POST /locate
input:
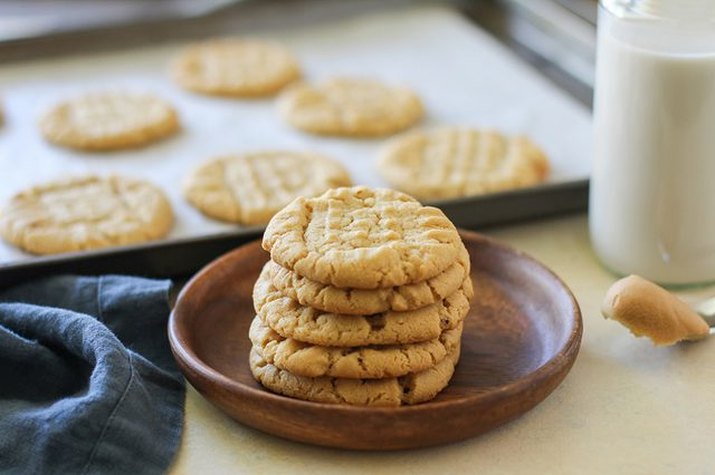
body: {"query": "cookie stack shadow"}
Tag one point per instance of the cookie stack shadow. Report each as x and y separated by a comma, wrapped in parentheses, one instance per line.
(372, 342)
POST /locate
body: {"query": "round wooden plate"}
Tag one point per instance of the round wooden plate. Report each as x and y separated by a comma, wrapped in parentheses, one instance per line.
(520, 339)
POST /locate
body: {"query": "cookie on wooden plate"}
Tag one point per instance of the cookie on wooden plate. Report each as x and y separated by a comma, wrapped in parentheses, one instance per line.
(412, 388)
(83, 213)
(109, 121)
(292, 320)
(454, 162)
(362, 238)
(363, 362)
(365, 302)
(235, 67)
(250, 188)
(350, 107)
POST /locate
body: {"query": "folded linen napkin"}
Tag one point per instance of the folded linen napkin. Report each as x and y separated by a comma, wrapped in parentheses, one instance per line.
(87, 380)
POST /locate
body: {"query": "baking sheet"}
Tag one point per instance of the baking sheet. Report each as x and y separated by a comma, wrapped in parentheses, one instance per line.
(463, 75)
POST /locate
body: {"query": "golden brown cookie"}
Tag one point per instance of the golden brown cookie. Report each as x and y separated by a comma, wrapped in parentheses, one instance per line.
(350, 107)
(365, 302)
(454, 162)
(367, 362)
(85, 213)
(362, 238)
(292, 320)
(235, 67)
(250, 188)
(412, 388)
(109, 121)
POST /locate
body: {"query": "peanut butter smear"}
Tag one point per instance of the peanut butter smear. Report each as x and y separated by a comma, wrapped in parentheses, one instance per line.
(647, 309)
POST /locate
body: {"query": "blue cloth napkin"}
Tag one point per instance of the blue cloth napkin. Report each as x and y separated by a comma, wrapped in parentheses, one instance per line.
(87, 380)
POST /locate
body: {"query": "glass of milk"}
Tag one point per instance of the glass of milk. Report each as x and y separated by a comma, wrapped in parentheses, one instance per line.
(652, 201)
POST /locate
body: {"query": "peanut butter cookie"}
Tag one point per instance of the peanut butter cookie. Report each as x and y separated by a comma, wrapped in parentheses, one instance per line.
(454, 162)
(365, 302)
(291, 320)
(350, 107)
(412, 388)
(235, 67)
(366, 362)
(362, 238)
(85, 213)
(109, 121)
(250, 188)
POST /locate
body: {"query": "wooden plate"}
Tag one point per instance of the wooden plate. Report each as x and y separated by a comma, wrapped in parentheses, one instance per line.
(520, 339)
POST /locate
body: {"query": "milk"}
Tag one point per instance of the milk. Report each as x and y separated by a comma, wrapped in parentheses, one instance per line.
(652, 202)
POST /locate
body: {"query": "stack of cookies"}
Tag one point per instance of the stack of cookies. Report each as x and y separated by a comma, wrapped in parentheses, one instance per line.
(362, 301)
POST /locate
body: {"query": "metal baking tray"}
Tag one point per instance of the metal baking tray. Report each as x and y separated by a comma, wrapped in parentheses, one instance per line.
(515, 25)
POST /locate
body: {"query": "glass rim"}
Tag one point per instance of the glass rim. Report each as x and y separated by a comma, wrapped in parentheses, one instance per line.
(690, 12)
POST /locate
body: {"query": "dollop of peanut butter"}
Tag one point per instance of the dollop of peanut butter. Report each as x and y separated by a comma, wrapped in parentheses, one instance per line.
(647, 309)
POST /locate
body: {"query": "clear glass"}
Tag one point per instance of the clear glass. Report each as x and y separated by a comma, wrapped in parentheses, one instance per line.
(701, 11)
(652, 202)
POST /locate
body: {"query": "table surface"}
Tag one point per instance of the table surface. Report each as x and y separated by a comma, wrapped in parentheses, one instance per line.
(626, 406)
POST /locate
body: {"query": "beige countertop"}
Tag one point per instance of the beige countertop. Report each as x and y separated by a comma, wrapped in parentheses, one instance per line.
(626, 406)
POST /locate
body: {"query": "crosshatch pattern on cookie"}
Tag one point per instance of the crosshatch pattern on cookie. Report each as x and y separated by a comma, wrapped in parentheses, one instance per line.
(235, 67)
(453, 162)
(109, 120)
(362, 238)
(85, 213)
(350, 106)
(250, 188)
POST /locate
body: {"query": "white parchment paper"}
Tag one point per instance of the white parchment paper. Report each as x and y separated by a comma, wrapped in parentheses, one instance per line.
(463, 75)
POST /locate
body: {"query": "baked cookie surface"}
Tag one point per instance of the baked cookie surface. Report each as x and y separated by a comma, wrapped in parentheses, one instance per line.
(85, 213)
(291, 320)
(250, 188)
(367, 362)
(365, 302)
(109, 121)
(350, 107)
(412, 388)
(455, 162)
(235, 67)
(362, 238)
